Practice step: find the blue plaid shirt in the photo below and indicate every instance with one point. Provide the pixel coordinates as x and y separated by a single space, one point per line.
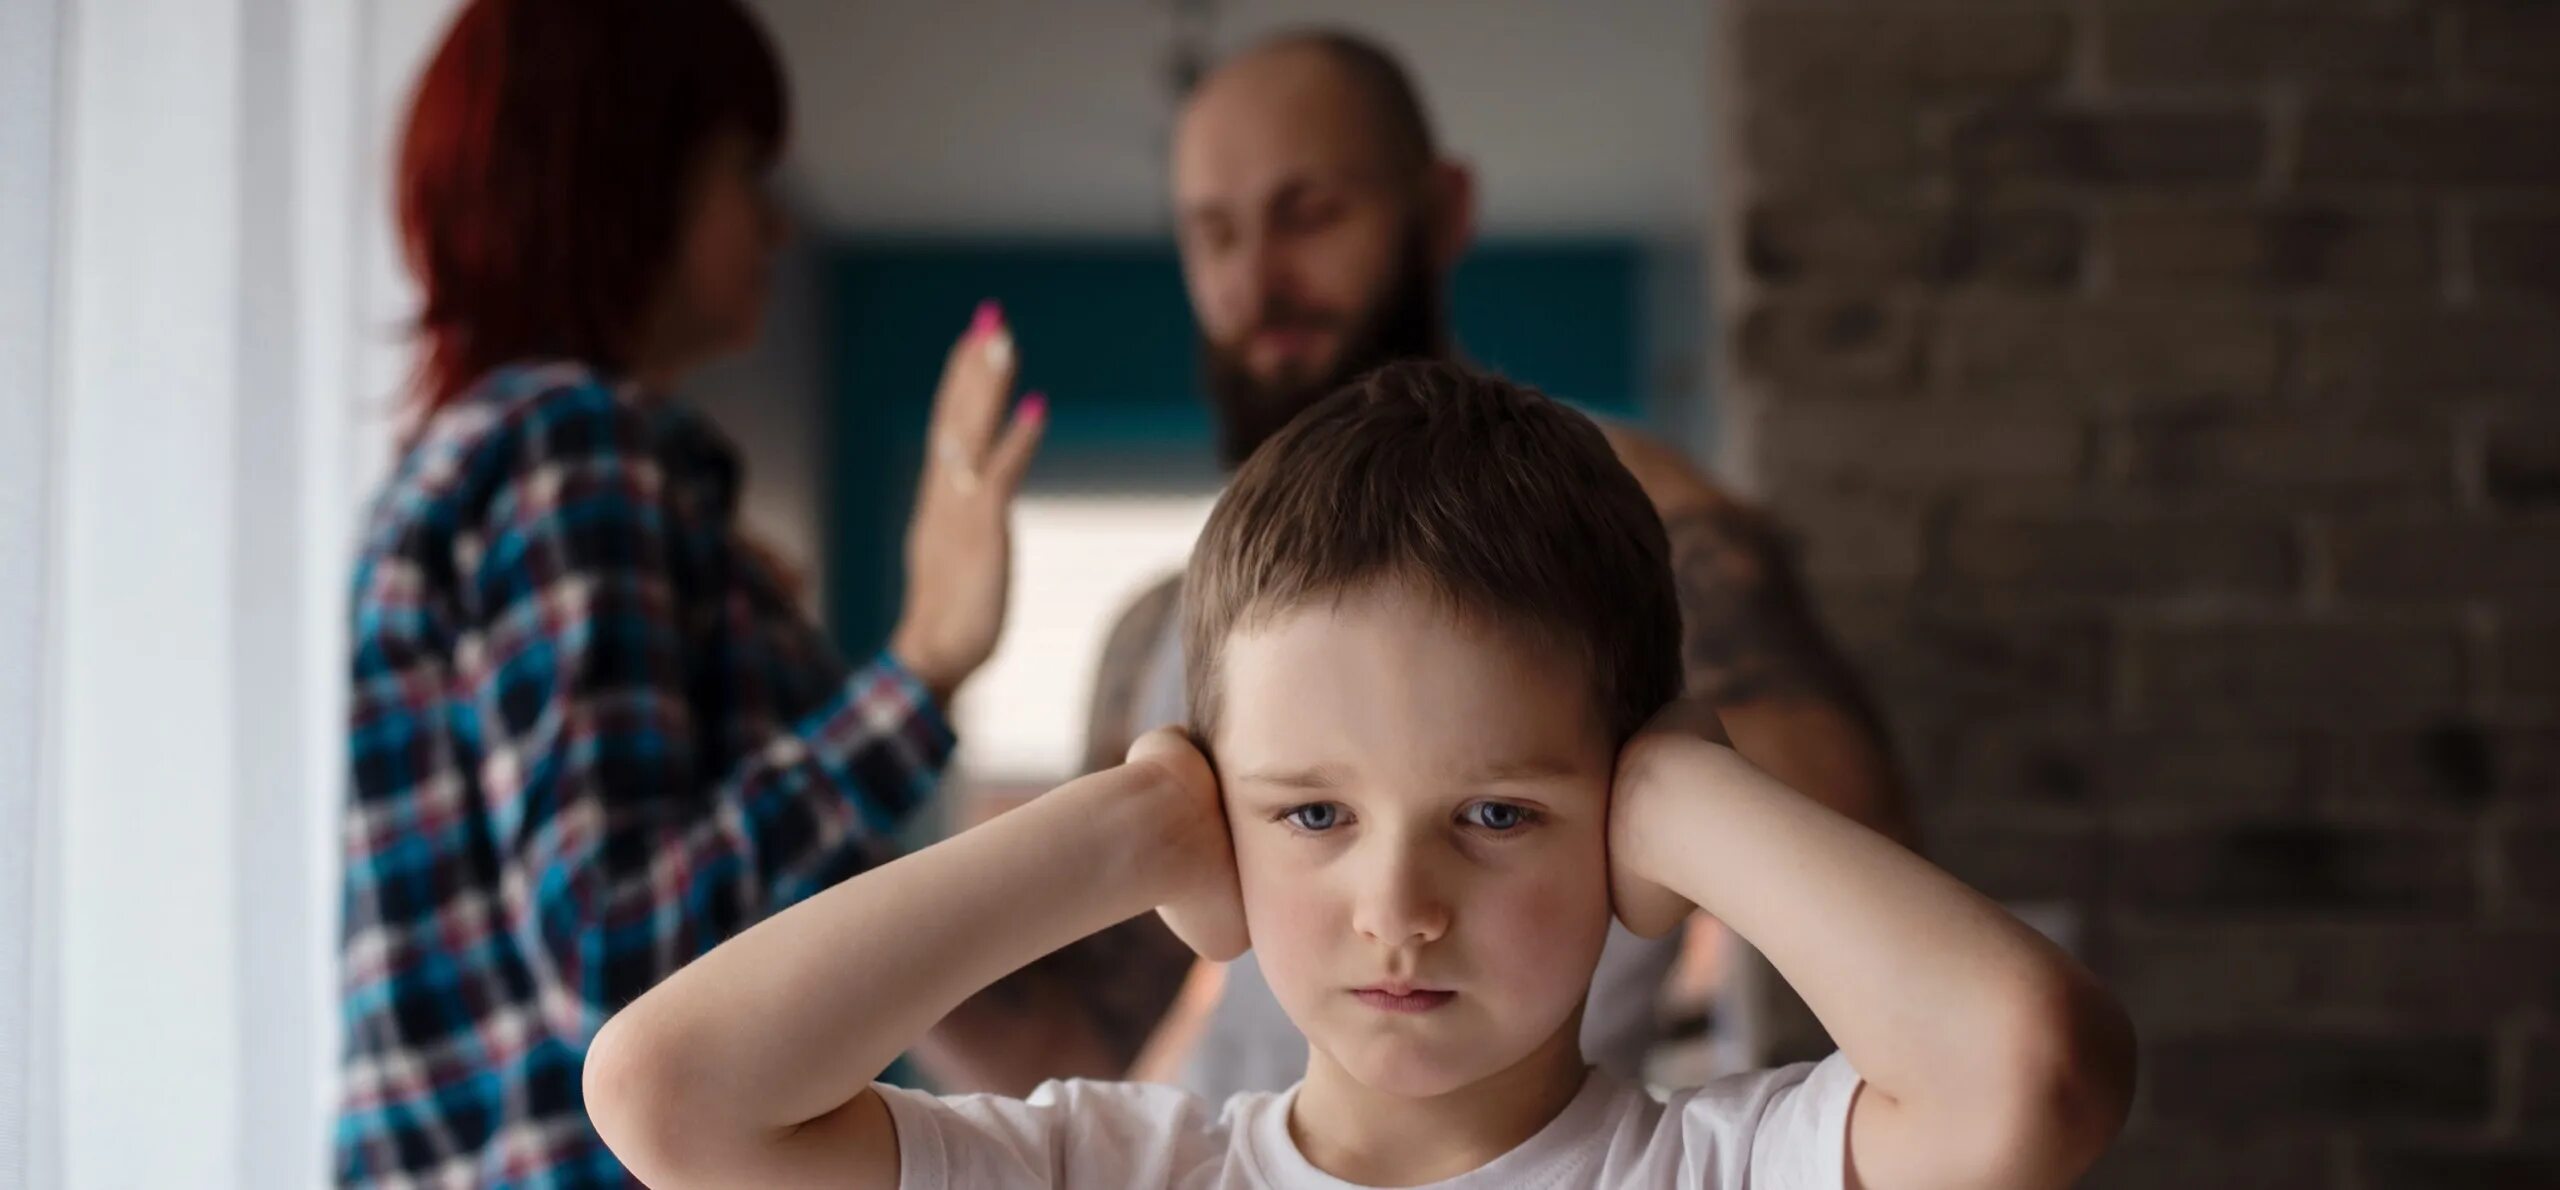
592 738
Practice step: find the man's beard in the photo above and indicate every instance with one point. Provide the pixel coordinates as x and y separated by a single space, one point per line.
1407 323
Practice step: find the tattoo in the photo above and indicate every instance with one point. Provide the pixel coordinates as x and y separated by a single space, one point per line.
1124 979
1748 630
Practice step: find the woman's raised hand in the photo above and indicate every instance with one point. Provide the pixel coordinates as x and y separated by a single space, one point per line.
960 542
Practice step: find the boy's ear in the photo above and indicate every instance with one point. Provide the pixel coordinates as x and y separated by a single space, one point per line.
1450 202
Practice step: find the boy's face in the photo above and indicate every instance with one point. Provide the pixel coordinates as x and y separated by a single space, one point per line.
1419 807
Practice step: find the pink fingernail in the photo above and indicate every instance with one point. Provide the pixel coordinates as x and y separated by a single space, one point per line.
1034 406
990 319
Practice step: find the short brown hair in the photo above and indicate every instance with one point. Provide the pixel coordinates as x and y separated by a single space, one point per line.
1507 505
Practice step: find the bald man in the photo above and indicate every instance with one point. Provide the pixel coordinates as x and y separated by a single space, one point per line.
1319 224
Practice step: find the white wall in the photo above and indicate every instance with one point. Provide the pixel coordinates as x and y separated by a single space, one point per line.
151 962
28 42
209 439
1032 115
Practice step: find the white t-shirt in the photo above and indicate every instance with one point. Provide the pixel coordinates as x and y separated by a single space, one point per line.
1784 1129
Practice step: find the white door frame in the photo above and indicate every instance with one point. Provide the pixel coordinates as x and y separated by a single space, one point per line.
30 44
187 290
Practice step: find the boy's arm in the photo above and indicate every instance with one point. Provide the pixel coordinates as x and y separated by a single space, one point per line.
1990 1058
753 1065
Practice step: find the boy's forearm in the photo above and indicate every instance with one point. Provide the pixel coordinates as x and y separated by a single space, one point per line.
1924 983
793 1018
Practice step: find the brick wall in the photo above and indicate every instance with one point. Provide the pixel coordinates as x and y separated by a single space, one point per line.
2168 397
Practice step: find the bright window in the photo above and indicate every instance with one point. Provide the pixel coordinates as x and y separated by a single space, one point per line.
1079 559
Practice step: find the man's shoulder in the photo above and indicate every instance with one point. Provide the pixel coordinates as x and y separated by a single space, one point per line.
1150 612
1137 637
1674 482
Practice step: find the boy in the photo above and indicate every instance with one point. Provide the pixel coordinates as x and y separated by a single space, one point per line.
1432 639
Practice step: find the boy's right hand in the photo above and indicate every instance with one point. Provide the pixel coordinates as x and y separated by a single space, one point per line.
1643 904
1194 857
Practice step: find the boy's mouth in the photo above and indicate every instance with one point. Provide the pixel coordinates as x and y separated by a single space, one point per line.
1400 998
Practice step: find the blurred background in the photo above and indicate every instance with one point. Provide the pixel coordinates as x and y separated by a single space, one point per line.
2161 392
1017 151
1020 152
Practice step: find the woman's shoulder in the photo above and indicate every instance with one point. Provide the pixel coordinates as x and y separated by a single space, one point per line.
517 418
531 404
509 423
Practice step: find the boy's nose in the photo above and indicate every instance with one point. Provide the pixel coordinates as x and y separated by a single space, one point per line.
1398 903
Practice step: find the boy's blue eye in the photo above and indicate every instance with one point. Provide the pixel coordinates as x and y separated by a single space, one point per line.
1315 816
1498 816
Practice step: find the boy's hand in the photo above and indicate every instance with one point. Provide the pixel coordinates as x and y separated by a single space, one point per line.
1643 904
1193 856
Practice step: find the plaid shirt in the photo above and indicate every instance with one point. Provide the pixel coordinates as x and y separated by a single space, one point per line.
591 739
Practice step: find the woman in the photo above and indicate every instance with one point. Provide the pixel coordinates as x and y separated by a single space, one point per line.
591 736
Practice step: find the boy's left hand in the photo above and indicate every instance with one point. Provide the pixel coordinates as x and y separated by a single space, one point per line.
1202 902
1643 904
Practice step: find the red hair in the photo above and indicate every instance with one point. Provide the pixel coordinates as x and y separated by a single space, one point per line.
544 173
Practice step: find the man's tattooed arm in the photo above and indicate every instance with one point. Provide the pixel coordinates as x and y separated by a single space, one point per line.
1747 627
1751 644
1135 641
